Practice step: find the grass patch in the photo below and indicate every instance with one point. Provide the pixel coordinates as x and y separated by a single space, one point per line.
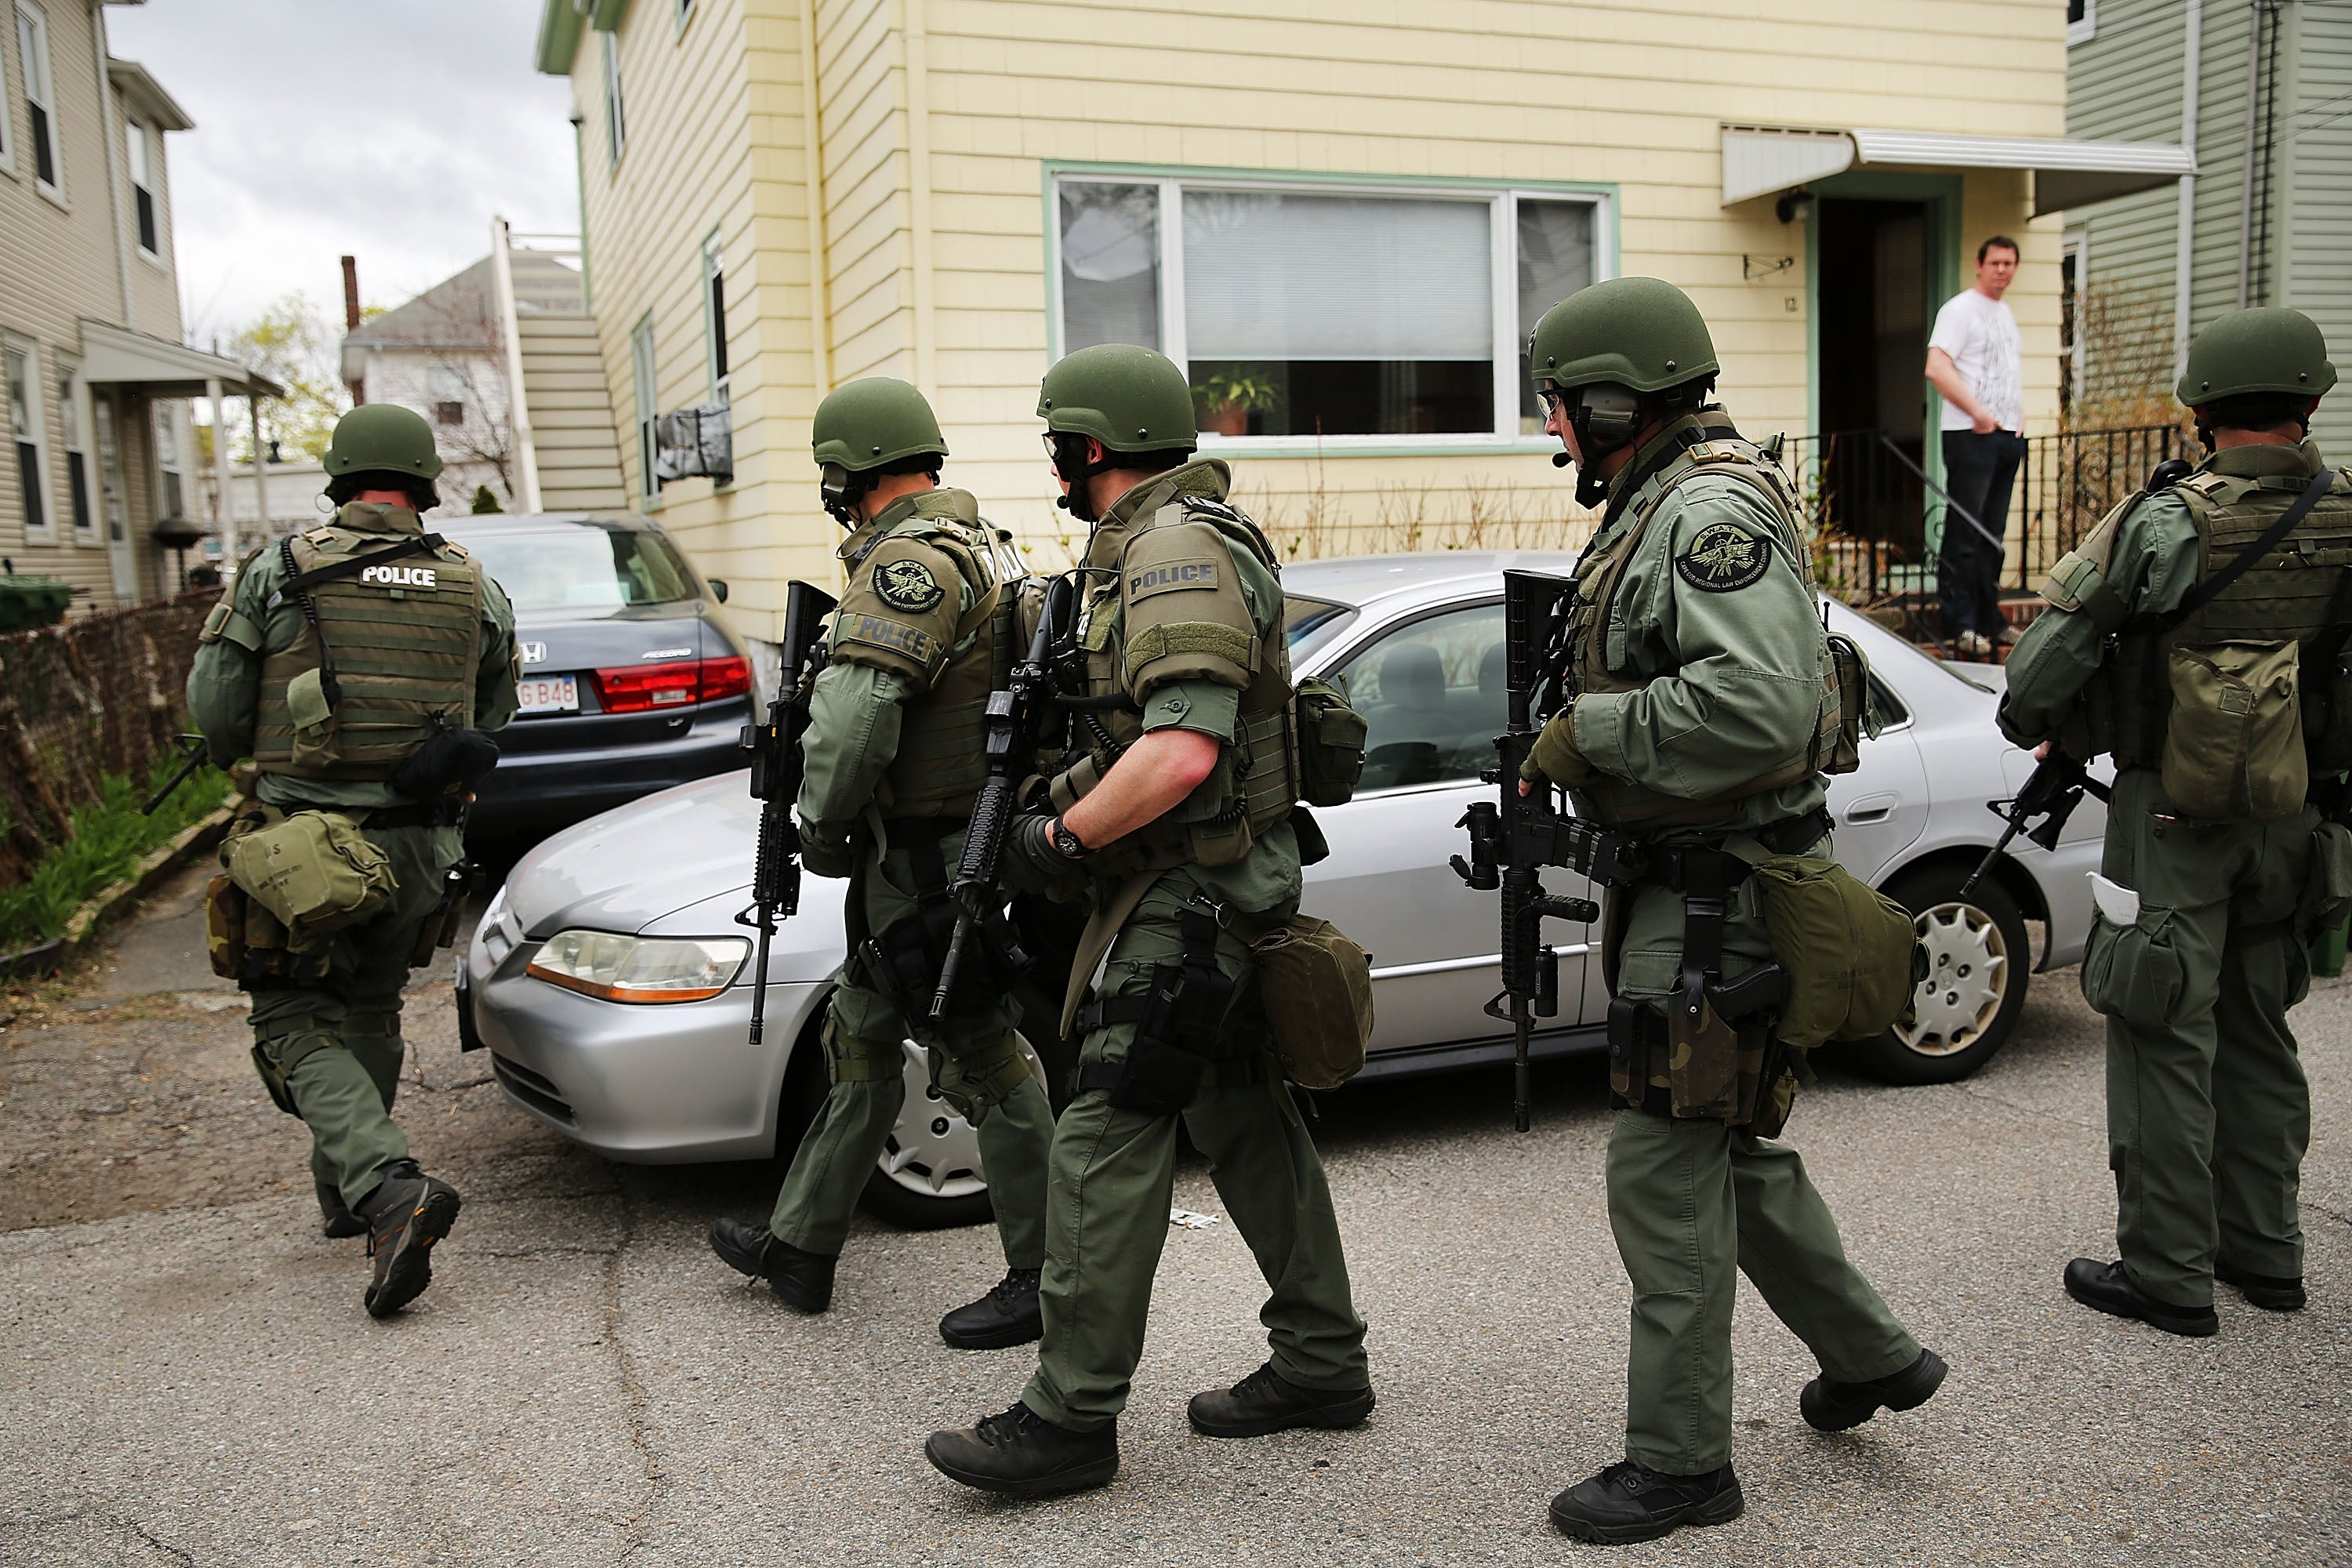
109 837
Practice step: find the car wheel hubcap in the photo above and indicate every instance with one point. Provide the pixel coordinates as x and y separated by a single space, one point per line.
932 1151
1967 975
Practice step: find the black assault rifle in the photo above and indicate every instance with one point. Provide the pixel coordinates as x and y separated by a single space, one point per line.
1014 713
1513 838
2052 792
775 748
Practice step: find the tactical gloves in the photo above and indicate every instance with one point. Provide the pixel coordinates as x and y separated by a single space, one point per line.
1554 755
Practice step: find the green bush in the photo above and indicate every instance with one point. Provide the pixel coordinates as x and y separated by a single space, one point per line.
110 837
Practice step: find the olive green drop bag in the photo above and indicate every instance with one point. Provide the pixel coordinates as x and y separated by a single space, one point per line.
2233 744
1850 952
313 871
1318 986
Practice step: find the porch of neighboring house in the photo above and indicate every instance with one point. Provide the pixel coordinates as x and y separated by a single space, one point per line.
147 506
566 448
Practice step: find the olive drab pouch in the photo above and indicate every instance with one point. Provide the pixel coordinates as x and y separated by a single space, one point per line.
1851 953
1332 736
2135 971
2327 884
313 718
1857 716
2233 743
314 872
1317 985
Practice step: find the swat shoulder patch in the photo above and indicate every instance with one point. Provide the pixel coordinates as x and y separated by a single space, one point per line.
1723 558
907 585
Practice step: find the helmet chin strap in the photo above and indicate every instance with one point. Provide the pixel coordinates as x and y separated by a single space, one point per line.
1073 470
840 491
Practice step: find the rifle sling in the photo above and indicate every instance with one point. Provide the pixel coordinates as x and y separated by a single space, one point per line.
2155 674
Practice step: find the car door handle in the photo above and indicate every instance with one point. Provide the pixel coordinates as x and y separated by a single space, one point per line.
1871 808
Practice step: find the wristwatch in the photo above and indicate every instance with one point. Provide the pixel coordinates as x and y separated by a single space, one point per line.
1064 842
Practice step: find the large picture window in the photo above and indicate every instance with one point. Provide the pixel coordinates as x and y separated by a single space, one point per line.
1358 313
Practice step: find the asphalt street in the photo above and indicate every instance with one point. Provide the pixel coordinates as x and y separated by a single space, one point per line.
189 1379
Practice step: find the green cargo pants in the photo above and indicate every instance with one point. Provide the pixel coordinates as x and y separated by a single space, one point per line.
1689 1201
332 1050
990 1085
2209 1113
1114 1176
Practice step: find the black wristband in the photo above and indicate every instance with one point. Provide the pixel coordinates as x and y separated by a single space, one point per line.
1065 843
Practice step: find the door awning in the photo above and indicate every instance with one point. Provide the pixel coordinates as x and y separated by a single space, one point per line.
113 356
1760 160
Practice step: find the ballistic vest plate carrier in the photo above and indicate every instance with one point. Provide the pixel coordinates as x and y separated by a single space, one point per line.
405 638
1597 631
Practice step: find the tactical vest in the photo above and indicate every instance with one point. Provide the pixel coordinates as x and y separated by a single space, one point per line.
1255 781
2287 597
405 638
1596 636
942 759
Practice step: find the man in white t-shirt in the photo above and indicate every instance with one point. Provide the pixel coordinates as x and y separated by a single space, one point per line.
1973 360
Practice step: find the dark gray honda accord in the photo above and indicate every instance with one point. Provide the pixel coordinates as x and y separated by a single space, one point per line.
632 681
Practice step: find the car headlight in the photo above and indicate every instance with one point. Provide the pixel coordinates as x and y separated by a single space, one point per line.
640 968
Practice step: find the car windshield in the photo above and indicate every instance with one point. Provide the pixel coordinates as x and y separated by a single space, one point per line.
584 569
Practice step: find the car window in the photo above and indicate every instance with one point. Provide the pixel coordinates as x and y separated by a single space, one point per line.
584 569
1307 624
1432 695
1891 711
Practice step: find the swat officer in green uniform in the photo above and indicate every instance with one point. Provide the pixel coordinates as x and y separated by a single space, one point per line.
2191 636
894 759
357 664
1175 817
1705 695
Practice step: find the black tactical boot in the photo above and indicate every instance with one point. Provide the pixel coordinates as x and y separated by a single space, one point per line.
2107 1286
1829 1405
339 1219
801 1280
1630 1502
1266 1402
1007 1315
2268 1292
406 1213
1022 1454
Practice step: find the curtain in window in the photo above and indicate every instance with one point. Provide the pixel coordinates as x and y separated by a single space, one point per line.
1110 265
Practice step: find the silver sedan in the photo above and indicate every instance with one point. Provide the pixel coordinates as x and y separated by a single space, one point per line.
611 983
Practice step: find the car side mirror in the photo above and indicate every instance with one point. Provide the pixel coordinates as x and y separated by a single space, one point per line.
718 590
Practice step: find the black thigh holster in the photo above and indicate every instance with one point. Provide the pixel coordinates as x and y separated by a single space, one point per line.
1177 1023
903 960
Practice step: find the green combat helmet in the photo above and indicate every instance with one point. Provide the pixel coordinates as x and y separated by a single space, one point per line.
383 438
873 422
864 427
1639 333
2264 350
1607 345
1128 398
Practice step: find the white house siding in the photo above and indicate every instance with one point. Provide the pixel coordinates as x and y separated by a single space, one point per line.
2311 172
1626 95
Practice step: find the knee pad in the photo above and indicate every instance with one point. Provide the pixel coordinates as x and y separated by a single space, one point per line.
977 1081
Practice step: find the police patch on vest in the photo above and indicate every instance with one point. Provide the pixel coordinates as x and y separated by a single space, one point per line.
907 585
913 641
1723 559
1171 576
398 576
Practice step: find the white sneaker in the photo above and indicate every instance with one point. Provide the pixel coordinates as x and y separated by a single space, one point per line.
1973 644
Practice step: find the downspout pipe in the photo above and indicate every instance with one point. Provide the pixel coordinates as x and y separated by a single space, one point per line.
2254 10
113 187
517 404
2184 256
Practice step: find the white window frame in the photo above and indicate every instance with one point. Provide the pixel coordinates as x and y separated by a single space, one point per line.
73 421
642 375
33 477
142 147
616 128
33 48
7 105
1502 200
163 412
2084 31
716 365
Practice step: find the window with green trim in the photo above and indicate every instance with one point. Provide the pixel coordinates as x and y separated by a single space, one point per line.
1357 312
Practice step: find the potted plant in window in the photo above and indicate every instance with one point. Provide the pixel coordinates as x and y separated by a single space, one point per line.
1228 397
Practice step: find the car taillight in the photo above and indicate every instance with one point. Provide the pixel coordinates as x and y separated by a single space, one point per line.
641 689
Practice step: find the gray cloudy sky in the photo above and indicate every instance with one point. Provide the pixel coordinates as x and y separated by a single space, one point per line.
326 127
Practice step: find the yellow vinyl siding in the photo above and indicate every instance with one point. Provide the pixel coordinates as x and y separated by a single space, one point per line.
1626 96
